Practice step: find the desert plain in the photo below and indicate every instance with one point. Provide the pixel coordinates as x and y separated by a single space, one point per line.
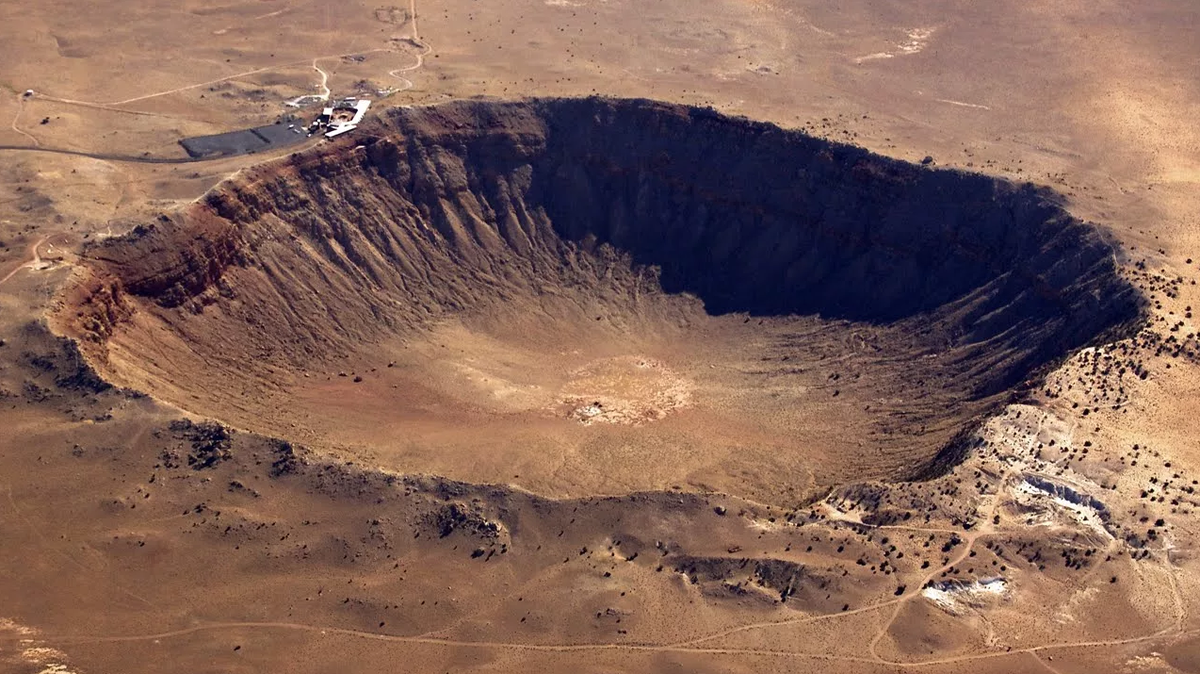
621 335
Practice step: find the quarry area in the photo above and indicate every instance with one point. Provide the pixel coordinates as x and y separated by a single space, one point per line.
599 335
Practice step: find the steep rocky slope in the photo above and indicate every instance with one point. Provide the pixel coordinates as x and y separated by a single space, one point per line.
745 258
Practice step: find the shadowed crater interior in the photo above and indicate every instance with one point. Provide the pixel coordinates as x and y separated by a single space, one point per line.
600 295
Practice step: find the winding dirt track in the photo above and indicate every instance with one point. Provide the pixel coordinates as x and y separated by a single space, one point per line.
17 118
325 92
33 260
568 648
408 84
416 39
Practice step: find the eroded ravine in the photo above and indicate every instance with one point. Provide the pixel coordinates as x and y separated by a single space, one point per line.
586 296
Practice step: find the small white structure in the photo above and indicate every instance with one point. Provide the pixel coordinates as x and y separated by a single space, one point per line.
340 129
338 124
360 110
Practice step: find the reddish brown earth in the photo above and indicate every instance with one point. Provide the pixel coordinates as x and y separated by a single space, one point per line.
838 412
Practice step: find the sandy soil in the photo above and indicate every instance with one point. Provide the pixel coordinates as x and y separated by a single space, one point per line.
115 562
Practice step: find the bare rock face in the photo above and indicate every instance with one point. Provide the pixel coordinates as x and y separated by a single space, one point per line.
947 288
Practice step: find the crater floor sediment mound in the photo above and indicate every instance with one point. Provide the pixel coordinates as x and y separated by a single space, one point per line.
593 295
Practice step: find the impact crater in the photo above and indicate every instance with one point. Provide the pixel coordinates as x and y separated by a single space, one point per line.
587 296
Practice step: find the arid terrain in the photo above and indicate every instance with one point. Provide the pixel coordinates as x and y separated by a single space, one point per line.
721 336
